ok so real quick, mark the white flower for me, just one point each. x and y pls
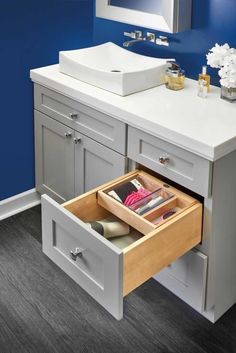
(224, 57)
(216, 56)
(228, 75)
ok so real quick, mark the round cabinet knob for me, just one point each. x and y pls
(77, 253)
(68, 134)
(73, 115)
(77, 140)
(164, 159)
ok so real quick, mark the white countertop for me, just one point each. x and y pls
(206, 127)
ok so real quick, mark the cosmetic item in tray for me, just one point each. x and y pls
(165, 215)
(139, 196)
(151, 201)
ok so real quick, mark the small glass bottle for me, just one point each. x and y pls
(202, 89)
(204, 76)
(175, 77)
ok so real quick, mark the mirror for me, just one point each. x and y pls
(150, 6)
(165, 15)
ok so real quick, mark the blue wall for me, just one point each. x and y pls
(31, 34)
(212, 21)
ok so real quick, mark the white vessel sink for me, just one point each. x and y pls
(113, 68)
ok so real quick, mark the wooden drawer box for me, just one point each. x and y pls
(100, 127)
(106, 271)
(181, 166)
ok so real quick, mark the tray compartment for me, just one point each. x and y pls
(176, 204)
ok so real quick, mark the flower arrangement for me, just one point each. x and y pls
(224, 58)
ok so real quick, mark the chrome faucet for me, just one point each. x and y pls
(137, 36)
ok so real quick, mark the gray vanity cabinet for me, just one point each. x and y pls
(80, 146)
(69, 163)
(54, 153)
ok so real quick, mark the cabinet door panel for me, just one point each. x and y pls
(54, 158)
(95, 164)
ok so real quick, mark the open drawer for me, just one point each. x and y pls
(107, 270)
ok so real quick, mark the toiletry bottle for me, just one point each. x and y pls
(204, 76)
(202, 89)
(174, 77)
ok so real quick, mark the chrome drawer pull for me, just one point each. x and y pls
(77, 253)
(73, 115)
(68, 134)
(164, 159)
(77, 140)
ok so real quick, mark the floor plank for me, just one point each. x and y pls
(8, 341)
(43, 310)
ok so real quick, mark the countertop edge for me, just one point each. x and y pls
(202, 150)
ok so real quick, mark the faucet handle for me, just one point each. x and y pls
(162, 40)
(129, 34)
(134, 34)
(151, 37)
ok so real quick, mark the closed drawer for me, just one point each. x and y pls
(181, 166)
(186, 278)
(105, 270)
(100, 127)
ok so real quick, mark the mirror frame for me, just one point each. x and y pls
(176, 15)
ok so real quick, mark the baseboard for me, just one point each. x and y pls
(19, 203)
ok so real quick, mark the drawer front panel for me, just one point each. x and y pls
(183, 167)
(100, 269)
(100, 127)
(186, 278)
(92, 267)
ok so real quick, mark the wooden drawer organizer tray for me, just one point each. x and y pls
(144, 223)
(160, 244)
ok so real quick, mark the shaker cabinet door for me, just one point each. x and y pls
(95, 164)
(54, 153)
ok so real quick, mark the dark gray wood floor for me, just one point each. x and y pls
(43, 310)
